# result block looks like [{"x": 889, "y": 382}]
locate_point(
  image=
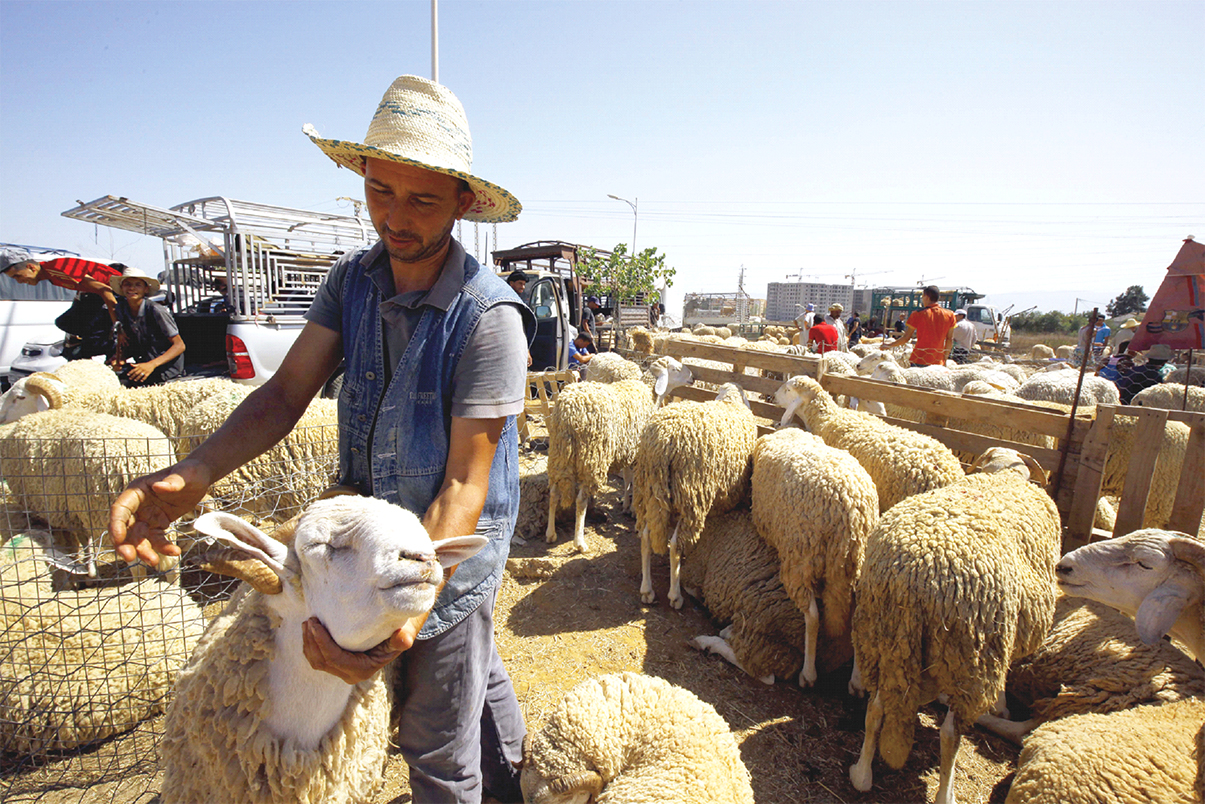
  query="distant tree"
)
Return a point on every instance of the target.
[
  {"x": 1053, "y": 321},
  {"x": 621, "y": 275},
  {"x": 1132, "y": 301}
]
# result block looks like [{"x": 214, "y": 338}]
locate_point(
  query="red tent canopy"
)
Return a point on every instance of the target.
[{"x": 1176, "y": 315}]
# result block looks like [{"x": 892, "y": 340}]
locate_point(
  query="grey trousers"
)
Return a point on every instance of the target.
[{"x": 460, "y": 728}]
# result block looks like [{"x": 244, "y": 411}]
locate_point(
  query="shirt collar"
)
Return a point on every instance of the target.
[{"x": 439, "y": 295}]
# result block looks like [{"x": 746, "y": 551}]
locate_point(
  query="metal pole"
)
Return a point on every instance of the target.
[
  {"x": 435, "y": 41},
  {"x": 1079, "y": 383}
]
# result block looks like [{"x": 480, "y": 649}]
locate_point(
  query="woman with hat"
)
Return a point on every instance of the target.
[
  {"x": 1122, "y": 337},
  {"x": 151, "y": 339}
]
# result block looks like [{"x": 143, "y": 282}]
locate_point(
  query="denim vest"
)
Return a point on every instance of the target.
[{"x": 409, "y": 422}]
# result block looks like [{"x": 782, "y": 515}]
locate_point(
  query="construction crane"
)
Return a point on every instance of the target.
[
  {"x": 799, "y": 277},
  {"x": 852, "y": 276}
]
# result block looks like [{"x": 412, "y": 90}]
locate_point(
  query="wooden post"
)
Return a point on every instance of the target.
[
  {"x": 1091, "y": 474},
  {"x": 1148, "y": 442},
  {"x": 1190, "y": 494}
]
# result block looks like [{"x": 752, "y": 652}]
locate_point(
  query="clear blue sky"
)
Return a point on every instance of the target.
[{"x": 1039, "y": 152}]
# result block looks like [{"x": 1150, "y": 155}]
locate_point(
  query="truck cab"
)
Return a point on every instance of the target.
[
  {"x": 554, "y": 294},
  {"x": 990, "y": 325}
]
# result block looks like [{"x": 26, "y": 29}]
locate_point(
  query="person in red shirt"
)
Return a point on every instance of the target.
[
  {"x": 824, "y": 335},
  {"x": 85, "y": 276},
  {"x": 934, "y": 330}
]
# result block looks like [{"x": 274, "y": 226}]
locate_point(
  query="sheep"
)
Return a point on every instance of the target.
[
  {"x": 815, "y": 505},
  {"x": 611, "y": 367},
  {"x": 593, "y": 430},
  {"x": 79, "y": 375},
  {"x": 1138, "y": 755},
  {"x": 1171, "y": 396},
  {"x": 899, "y": 461},
  {"x": 280, "y": 482},
  {"x": 630, "y": 738},
  {"x": 1166, "y": 477},
  {"x": 1184, "y": 375},
  {"x": 1059, "y": 386},
  {"x": 640, "y": 340},
  {"x": 1155, "y": 576},
  {"x": 735, "y": 574},
  {"x": 692, "y": 458},
  {"x": 1064, "y": 351},
  {"x": 1093, "y": 661},
  {"x": 77, "y": 667},
  {"x": 957, "y": 584},
  {"x": 67, "y": 467},
  {"x": 165, "y": 407},
  {"x": 251, "y": 721},
  {"x": 1041, "y": 351}
]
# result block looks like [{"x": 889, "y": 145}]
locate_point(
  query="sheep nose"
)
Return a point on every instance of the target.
[{"x": 1063, "y": 569}]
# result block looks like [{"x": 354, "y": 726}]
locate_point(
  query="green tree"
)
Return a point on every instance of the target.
[
  {"x": 1132, "y": 301},
  {"x": 620, "y": 275}
]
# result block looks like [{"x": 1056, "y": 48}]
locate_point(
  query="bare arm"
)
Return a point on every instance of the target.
[
  {"x": 140, "y": 514},
  {"x": 103, "y": 290},
  {"x": 949, "y": 344},
  {"x": 453, "y": 512},
  {"x": 909, "y": 331},
  {"x": 140, "y": 371}
]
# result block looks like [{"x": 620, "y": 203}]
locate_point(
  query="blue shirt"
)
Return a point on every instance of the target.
[{"x": 575, "y": 352}]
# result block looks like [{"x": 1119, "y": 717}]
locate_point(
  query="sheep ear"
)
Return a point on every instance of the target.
[
  {"x": 458, "y": 548},
  {"x": 244, "y": 551},
  {"x": 792, "y": 406},
  {"x": 1159, "y": 611},
  {"x": 661, "y": 384},
  {"x": 1036, "y": 473}
]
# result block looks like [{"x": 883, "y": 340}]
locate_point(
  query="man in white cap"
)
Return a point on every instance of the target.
[
  {"x": 964, "y": 337},
  {"x": 436, "y": 351},
  {"x": 834, "y": 317}
]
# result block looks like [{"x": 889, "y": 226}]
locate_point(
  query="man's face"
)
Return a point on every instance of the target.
[
  {"x": 25, "y": 273},
  {"x": 134, "y": 289},
  {"x": 412, "y": 209},
  {"x": 519, "y": 285}
]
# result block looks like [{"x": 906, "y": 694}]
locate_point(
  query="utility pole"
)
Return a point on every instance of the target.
[{"x": 435, "y": 41}]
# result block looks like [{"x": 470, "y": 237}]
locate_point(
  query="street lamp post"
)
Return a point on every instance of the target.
[{"x": 635, "y": 217}]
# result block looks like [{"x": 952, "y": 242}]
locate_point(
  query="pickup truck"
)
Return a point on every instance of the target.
[{"x": 238, "y": 276}]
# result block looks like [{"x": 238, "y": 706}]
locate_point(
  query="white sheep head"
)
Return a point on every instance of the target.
[
  {"x": 867, "y": 365},
  {"x": 1002, "y": 459},
  {"x": 1154, "y": 576},
  {"x": 362, "y": 566},
  {"x": 793, "y": 394},
  {"x": 734, "y": 391},
  {"x": 668, "y": 374},
  {"x": 32, "y": 394}
]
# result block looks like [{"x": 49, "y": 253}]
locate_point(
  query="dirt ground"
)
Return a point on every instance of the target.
[{"x": 563, "y": 617}]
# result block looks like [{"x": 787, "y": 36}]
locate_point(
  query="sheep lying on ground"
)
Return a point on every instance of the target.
[
  {"x": 1145, "y": 754},
  {"x": 1040, "y": 351},
  {"x": 900, "y": 462},
  {"x": 251, "y": 720},
  {"x": 593, "y": 430},
  {"x": 957, "y": 584},
  {"x": 815, "y": 505},
  {"x": 633, "y": 739},
  {"x": 735, "y": 574},
  {"x": 1093, "y": 661},
  {"x": 1155, "y": 576},
  {"x": 692, "y": 458},
  {"x": 81, "y": 666},
  {"x": 1171, "y": 396},
  {"x": 67, "y": 468}
]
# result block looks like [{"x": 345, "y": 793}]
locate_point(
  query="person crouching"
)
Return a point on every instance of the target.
[{"x": 149, "y": 338}]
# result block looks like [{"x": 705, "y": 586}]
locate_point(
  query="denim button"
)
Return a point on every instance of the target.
[
  {"x": 361, "y": 418},
  {"x": 372, "y": 375}
]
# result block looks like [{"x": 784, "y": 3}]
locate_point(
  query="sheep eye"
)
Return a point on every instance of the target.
[{"x": 1144, "y": 566}]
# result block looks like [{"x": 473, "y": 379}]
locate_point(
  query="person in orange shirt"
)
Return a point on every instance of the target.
[{"x": 934, "y": 330}]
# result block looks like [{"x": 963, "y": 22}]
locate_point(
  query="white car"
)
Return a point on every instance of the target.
[{"x": 27, "y": 314}]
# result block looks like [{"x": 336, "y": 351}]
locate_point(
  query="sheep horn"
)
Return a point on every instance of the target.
[
  {"x": 341, "y": 490},
  {"x": 1189, "y": 550},
  {"x": 1036, "y": 473},
  {"x": 45, "y": 384},
  {"x": 227, "y": 561},
  {"x": 557, "y": 789}
]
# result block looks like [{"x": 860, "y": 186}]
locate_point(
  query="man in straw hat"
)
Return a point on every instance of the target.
[{"x": 435, "y": 349}]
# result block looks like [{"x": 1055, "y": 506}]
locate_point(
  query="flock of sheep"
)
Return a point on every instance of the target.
[
  {"x": 844, "y": 535},
  {"x": 837, "y": 536}
]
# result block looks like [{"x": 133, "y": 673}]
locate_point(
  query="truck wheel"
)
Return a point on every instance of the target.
[{"x": 333, "y": 386}]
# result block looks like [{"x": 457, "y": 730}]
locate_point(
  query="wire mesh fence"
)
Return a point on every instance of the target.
[{"x": 90, "y": 648}]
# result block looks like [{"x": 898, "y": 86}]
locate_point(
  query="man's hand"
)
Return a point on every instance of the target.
[
  {"x": 140, "y": 515},
  {"x": 324, "y": 654},
  {"x": 140, "y": 371}
]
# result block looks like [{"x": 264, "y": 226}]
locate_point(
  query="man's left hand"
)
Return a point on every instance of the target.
[{"x": 324, "y": 654}]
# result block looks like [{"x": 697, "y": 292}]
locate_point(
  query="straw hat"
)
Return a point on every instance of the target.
[
  {"x": 134, "y": 273},
  {"x": 836, "y": 306},
  {"x": 1130, "y": 323},
  {"x": 421, "y": 123}
]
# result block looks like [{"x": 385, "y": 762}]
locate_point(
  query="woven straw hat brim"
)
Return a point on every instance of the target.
[
  {"x": 151, "y": 282},
  {"x": 493, "y": 204}
]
